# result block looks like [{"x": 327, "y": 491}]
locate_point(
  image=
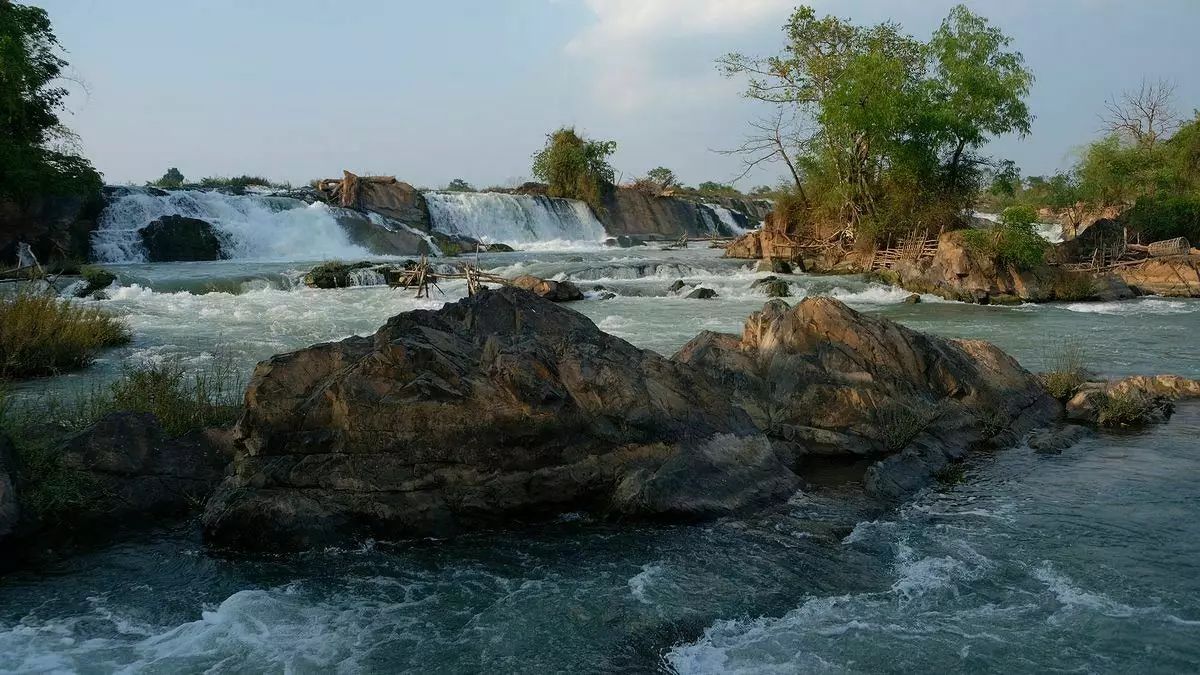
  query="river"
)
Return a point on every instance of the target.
[{"x": 1084, "y": 562}]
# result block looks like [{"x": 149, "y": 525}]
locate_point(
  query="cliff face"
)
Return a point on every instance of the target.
[
  {"x": 56, "y": 228},
  {"x": 633, "y": 212}
]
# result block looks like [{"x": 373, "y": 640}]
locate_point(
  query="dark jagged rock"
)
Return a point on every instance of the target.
[
  {"x": 677, "y": 286},
  {"x": 497, "y": 408},
  {"x": 631, "y": 212},
  {"x": 1055, "y": 440},
  {"x": 827, "y": 380},
  {"x": 180, "y": 239},
  {"x": 554, "y": 291},
  {"x": 503, "y": 407},
  {"x": 913, "y": 299},
  {"x": 702, "y": 294},
  {"x": 774, "y": 266},
  {"x": 500, "y": 248},
  {"x": 56, "y": 228},
  {"x": 10, "y": 507},
  {"x": 380, "y": 237},
  {"x": 773, "y": 287},
  {"x": 137, "y": 471},
  {"x": 334, "y": 274}
]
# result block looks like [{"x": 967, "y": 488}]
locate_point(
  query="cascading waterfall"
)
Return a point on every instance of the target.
[
  {"x": 516, "y": 220},
  {"x": 728, "y": 222},
  {"x": 253, "y": 227}
]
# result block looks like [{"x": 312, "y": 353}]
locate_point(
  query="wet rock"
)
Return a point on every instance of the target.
[
  {"x": 335, "y": 274},
  {"x": 607, "y": 295},
  {"x": 180, "y": 239},
  {"x": 1171, "y": 277},
  {"x": 677, "y": 286},
  {"x": 773, "y": 287},
  {"x": 1109, "y": 288},
  {"x": 554, "y": 291},
  {"x": 498, "y": 408},
  {"x": 1085, "y": 405},
  {"x": 500, "y": 248},
  {"x": 380, "y": 236},
  {"x": 913, "y": 299},
  {"x": 384, "y": 195},
  {"x": 95, "y": 280},
  {"x": 702, "y": 294},
  {"x": 10, "y": 509},
  {"x": 773, "y": 266},
  {"x": 1053, "y": 441},
  {"x": 135, "y": 471}
]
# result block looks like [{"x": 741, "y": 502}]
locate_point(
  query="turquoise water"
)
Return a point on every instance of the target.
[{"x": 1084, "y": 562}]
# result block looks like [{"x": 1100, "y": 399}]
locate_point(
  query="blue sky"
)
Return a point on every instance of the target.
[{"x": 434, "y": 90}]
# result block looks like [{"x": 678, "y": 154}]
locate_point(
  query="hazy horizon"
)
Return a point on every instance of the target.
[{"x": 435, "y": 91}]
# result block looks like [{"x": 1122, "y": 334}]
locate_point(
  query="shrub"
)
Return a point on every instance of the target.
[
  {"x": 1073, "y": 286},
  {"x": 1127, "y": 408},
  {"x": 575, "y": 167},
  {"x": 96, "y": 279},
  {"x": 1014, "y": 242},
  {"x": 902, "y": 420},
  {"x": 42, "y": 334},
  {"x": 992, "y": 423},
  {"x": 238, "y": 182},
  {"x": 1066, "y": 371},
  {"x": 182, "y": 400},
  {"x": 1166, "y": 217}
]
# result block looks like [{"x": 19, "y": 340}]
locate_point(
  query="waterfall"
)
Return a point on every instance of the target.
[
  {"x": 516, "y": 220},
  {"x": 254, "y": 227},
  {"x": 728, "y": 221}
]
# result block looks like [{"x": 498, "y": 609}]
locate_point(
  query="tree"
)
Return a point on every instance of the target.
[
  {"x": 773, "y": 139},
  {"x": 459, "y": 185},
  {"x": 1143, "y": 117},
  {"x": 35, "y": 148},
  {"x": 173, "y": 178},
  {"x": 1005, "y": 179},
  {"x": 663, "y": 178},
  {"x": 575, "y": 167}
]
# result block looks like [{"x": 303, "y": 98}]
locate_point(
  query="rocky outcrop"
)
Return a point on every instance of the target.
[
  {"x": 137, "y": 471},
  {"x": 629, "y": 212},
  {"x": 57, "y": 229},
  {"x": 384, "y": 195},
  {"x": 554, "y": 291},
  {"x": 10, "y": 508},
  {"x": 497, "y": 408},
  {"x": 959, "y": 272},
  {"x": 380, "y": 237},
  {"x": 1176, "y": 276},
  {"x": 180, "y": 239},
  {"x": 503, "y": 407},
  {"x": 823, "y": 379}
]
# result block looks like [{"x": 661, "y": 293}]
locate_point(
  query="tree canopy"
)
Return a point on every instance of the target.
[
  {"x": 34, "y": 145},
  {"x": 885, "y": 129},
  {"x": 575, "y": 167}
]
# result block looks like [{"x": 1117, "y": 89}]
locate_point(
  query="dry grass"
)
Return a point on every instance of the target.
[
  {"x": 1066, "y": 370},
  {"x": 42, "y": 334}
]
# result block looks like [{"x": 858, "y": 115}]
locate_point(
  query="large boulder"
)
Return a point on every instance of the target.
[
  {"x": 830, "y": 381},
  {"x": 380, "y": 236},
  {"x": 554, "y": 291},
  {"x": 180, "y": 239},
  {"x": 384, "y": 195},
  {"x": 135, "y": 471},
  {"x": 497, "y": 408},
  {"x": 1177, "y": 276},
  {"x": 56, "y": 228}
]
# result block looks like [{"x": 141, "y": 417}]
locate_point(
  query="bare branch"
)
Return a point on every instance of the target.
[{"x": 1145, "y": 116}]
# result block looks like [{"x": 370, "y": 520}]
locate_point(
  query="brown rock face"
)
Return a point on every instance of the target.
[
  {"x": 499, "y": 407},
  {"x": 505, "y": 407},
  {"x": 379, "y": 194},
  {"x": 633, "y": 212},
  {"x": 828, "y": 380},
  {"x": 1173, "y": 277},
  {"x": 554, "y": 291}
]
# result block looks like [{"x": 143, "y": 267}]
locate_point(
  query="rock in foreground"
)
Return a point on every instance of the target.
[
  {"x": 497, "y": 408},
  {"x": 505, "y": 407}
]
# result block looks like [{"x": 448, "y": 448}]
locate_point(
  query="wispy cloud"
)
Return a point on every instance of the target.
[{"x": 638, "y": 49}]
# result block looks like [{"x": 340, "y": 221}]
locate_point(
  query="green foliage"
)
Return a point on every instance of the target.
[
  {"x": 41, "y": 334},
  {"x": 1166, "y": 217},
  {"x": 663, "y": 178},
  {"x": 36, "y": 156},
  {"x": 333, "y": 274},
  {"x": 1013, "y": 243},
  {"x": 238, "y": 182},
  {"x": 173, "y": 178},
  {"x": 575, "y": 167},
  {"x": 96, "y": 279},
  {"x": 715, "y": 189},
  {"x": 182, "y": 400},
  {"x": 1072, "y": 286},
  {"x": 897, "y": 123},
  {"x": 1066, "y": 370},
  {"x": 459, "y": 185},
  {"x": 1005, "y": 180}
]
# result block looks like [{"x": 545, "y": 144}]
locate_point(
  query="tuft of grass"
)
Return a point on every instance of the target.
[
  {"x": 951, "y": 474},
  {"x": 1073, "y": 286},
  {"x": 903, "y": 420},
  {"x": 182, "y": 400},
  {"x": 1066, "y": 370},
  {"x": 992, "y": 423},
  {"x": 42, "y": 334},
  {"x": 1123, "y": 408}
]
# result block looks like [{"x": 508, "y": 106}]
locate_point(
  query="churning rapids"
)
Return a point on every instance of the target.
[{"x": 1084, "y": 562}]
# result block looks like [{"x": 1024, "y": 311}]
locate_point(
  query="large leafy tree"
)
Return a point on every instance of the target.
[
  {"x": 885, "y": 128},
  {"x": 575, "y": 167},
  {"x": 32, "y": 155}
]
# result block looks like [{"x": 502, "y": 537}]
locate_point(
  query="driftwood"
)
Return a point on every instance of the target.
[{"x": 422, "y": 277}]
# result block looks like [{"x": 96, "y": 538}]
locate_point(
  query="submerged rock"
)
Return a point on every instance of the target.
[
  {"x": 180, "y": 239},
  {"x": 773, "y": 287},
  {"x": 554, "y": 291},
  {"x": 677, "y": 286},
  {"x": 702, "y": 294},
  {"x": 773, "y": 266},
  {"x": 913, "y": 299},
  {"x": 1053, "y": 441},
  {"x": 496, "y": 408}
]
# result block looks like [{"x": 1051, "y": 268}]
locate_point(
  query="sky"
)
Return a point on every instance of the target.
[{"x": 434, "y": 90}]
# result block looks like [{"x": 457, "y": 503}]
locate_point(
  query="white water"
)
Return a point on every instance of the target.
[
  {"x": 251, "y": 227},
  {"x": 727, "y": 219},
  {"x": 516, "y": 220},
  {"x": 1051, "y": 232}
]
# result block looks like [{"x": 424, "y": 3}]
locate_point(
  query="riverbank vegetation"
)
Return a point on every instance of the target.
[
  {"x": 38, "y": 155},
  {"x": 882, "y": 132},
  {"x": 42, "y": 334},
  {"x": 575, "y": 167}
]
